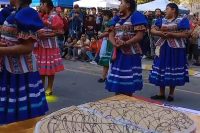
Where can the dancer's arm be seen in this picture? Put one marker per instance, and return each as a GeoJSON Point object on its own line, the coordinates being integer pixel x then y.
{"type": "Point", "coordinates": [183, 34]}
{"type": "Point", "coordinates": [25, 47]}
{"type": "Point", "coordinates": [137, 38]}
{"type": "Point", "coordinates": [156, 32]}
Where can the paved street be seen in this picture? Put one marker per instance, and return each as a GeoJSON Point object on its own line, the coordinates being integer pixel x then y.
{"type": "Point", "coordinates": [78, 84]}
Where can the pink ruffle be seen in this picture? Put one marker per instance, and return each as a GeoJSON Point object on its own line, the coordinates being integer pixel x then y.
{"type": "Point", "coordinates": [49, 60]}
{"type": "Point", "coordinates": [26, 36]}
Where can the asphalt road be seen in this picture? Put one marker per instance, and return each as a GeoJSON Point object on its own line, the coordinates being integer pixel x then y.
{"type": "Point", "coordinates": [78, 84]}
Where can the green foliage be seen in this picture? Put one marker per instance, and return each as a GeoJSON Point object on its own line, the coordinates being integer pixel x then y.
{"type": "Point", "coordinates": [143, 1]}
{"type": "Point", "coordinates": [146, 1]}
{"type": "Point", "coordinates": [175, 1]}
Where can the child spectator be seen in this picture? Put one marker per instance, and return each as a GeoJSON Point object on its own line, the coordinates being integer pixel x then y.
{"type": "Point", "coordinates": [66, 51]}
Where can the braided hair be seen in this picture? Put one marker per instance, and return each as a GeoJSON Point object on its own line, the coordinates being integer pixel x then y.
{"type": "Point", "coordinates": [132, 3]}
{"type": "Point", "coordinates": [25, 2]}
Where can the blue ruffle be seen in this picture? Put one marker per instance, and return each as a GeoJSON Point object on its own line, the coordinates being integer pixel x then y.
{"type": "Point", "coordinates": [27, 19]}
{"type": "Point", "coordinates": [125, 75]}
{"type": "Point", "coordinates": [138, 18]}
{"type": "Point", "coordinates": [114, 20]}
{"type": "Point", "coordinates": [22, 96]}
{"type": "Point", "coordinates": [5, 13]}
{"type": "Point", "coordinates": [184, 24]}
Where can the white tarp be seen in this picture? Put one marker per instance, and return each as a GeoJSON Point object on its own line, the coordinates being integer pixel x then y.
{"type": "Point", "coordinates": [98, 3]}
{"type": "Point", "coordinates": [151, 6]}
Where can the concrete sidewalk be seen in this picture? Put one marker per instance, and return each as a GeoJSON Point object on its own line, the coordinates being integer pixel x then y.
{"type": "Point", "coordinates": [193, 70]}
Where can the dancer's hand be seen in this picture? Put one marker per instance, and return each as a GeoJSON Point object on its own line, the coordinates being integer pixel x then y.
{"type": "Point", "coordinates": [168, 34]}
{"type": "Point", "coordinates": [119, 43]}
{"type": "Point", "coordinates": [163, 35]}
{"type": "Point", "coordinates": [194, 36]}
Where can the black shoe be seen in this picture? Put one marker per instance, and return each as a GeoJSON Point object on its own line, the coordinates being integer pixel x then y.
{"type": "Point", "coordinates": [170, 99]}
{"type": "Point", "coordinates": [101, 80]}
{"type": "Point", "coordinates": [157, 97]}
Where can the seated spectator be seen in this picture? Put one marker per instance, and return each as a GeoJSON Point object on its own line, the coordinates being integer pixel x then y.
{"type": "Point", "coordinates": [94, 49]}
{"type": "Point", "coordinates": [67, 46]}
{"type": "Point", "coordinates": [79, 51]}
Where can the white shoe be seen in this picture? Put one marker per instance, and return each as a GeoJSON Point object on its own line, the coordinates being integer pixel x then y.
{"type": "Point", "coordinates": [144, 57]}
{"type": "Point", "coordinates": [93, 62]}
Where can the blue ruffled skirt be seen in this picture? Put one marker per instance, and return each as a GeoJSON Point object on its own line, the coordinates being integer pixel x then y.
{"type": "Point", "coordinates": [170, 68]}
{"type": "Point", "coordinates": [22, 96]}
{"type": "Point", "coordinates": [125, 74]}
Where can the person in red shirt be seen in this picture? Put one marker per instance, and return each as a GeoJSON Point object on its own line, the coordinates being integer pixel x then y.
{"type": "Point", "coordinates": [93, 52]}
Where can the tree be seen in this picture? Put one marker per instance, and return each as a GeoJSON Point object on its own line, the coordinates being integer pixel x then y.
{"type": "Point", "coordinates": [143, 1]}
{"type": "Point", "coordinates": [146, 1]}
{"type": "Point", "coordinates": [175, 1]}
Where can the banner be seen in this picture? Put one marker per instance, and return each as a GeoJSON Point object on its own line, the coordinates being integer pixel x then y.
{"type": "Point", "coordinates": [61, 3]}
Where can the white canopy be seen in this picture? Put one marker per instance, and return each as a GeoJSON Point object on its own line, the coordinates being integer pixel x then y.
{"type": "Point", "coordinates": [98, 3]}
{"type": "Point", "coordinates": [151, 6]}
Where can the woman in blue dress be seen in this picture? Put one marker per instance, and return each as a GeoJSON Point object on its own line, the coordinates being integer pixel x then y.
{"type": "Point", "coordinates": [125, 75]}
{"type": "Point", "coordinates": [22, 93]}
{"type": "Point", "coordinates": [170, 64]}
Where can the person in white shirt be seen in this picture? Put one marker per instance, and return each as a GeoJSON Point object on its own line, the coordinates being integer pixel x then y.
{"type": "Point", "coordinates": [81, 47]}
